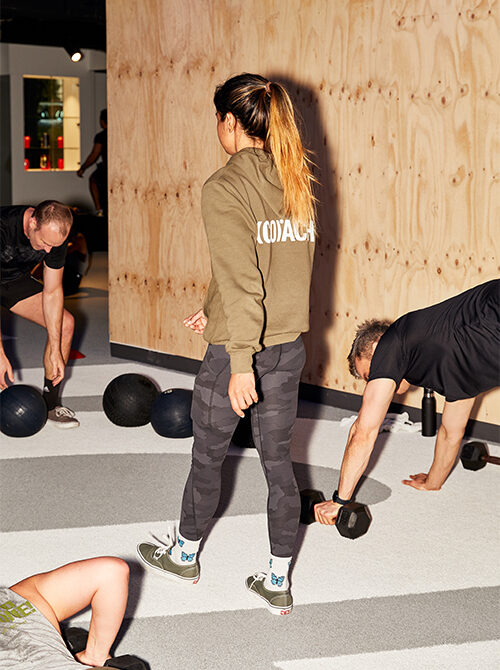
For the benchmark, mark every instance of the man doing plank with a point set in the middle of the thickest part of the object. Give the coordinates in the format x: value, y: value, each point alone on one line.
x: 453, y: 348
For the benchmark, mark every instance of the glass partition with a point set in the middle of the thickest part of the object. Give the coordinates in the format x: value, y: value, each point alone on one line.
x: 51, y: 123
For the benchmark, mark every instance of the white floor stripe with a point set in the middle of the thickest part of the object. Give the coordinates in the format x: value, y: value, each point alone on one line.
x: 470, y: 656
x: 96, y: 435
x: 92, y: 379
x: 316, y: 442
x: 410, y: 555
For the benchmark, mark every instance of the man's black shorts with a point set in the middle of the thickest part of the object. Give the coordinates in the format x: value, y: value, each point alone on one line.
x: 100, y: 175
x: 12, y: 292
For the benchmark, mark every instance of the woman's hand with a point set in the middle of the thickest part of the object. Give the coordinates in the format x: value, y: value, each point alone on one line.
x: 242, y: 392
x: 196, y: 322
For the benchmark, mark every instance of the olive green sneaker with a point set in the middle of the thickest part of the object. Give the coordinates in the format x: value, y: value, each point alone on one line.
x: 277, y: 602
x: 159, y: 559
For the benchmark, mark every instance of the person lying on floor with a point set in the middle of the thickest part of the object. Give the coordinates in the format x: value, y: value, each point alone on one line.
x: 31, y: 610
x: 453, y: 348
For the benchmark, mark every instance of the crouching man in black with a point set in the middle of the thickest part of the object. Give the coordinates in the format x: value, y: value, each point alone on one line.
x: 28, y: 236
x: 453, y: 348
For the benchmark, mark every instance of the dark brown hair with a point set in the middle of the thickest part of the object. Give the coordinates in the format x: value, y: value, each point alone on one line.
x: 367, y: 333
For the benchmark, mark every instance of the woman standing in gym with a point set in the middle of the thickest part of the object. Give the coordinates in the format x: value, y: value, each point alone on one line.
x: 258, y: 212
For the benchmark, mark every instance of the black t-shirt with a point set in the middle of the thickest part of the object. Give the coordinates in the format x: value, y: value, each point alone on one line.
x: 17, y: 256
x: 452, y: 347
x: 102, y: 139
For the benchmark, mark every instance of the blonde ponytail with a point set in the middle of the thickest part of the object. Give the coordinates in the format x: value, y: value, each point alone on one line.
x: 284, y: 143
x: 265, y: 111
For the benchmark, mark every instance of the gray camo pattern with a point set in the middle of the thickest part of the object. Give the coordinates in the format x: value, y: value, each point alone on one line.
x: 277, y: 372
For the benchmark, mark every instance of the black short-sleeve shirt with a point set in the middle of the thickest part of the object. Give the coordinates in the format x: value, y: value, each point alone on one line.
x: 452, y: 347
x: 17, y: 256
x: 102, y: 139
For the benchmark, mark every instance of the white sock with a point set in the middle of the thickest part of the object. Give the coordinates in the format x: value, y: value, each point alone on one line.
x: 277, y: 575
x: 184, y: 551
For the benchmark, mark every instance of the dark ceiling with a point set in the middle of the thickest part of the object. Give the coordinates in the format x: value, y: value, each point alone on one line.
x: 59, y: 23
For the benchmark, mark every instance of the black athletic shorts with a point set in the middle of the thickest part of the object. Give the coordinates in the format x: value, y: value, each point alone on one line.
x: 11, y: 292
x: 100, y: 175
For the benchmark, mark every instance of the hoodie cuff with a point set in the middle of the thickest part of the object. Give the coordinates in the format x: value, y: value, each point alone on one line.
x: 241, y: 362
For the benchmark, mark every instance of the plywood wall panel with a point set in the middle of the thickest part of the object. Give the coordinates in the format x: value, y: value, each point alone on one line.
x: 401, y: 106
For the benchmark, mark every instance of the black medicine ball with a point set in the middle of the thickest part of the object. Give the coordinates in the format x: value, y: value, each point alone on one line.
x: 128, y: 399
x: 23, y: 411
x: 171, y: 413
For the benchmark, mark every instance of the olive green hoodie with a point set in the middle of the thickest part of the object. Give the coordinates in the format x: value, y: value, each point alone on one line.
x: 261, y: 264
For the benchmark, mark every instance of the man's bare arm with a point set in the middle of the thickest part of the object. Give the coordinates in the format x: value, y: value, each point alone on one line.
x: 5, y: 367
x: 91, y: 158
x: 376, y: 400
x: 448, y: 440
x: 53, y: 306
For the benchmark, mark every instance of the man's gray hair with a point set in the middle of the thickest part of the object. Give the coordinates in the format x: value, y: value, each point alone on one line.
x: 367, y: 333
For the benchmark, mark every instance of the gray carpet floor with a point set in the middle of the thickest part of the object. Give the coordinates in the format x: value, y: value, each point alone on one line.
x: 420, y: 590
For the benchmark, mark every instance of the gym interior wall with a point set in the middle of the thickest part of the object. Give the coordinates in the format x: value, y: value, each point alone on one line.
x: 401, y: 109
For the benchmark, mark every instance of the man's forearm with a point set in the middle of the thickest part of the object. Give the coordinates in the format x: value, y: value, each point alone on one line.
x: 445, y: 455
x: 91, y: 158
x: 53, y: 306
x: 448, y: 440
x: 356, y: 456
x: 376, y: 398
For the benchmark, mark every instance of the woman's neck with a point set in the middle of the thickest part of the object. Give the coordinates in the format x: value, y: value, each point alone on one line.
x: 243, y: 141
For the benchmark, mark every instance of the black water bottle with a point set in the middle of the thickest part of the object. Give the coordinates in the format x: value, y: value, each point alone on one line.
x: 428, y: 413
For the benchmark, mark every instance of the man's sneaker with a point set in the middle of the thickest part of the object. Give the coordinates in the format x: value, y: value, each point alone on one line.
x: 277, y: 602
x: 159, y: 559
x: 63, y: 417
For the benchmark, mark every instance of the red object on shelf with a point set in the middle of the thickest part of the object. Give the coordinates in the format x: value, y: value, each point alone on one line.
x: 60, y: 163
x: 60, y: 143
x: 27, y: 141
x: 26, y: 164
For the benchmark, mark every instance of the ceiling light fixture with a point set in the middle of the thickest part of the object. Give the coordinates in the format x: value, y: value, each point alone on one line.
x: 76, y: 55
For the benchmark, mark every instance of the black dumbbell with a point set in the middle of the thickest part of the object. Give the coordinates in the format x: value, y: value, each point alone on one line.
x: 475, y: 456
x: 75, y: 638
x: 353, y: 519
x: 126, y: 662
x: 76, y: 641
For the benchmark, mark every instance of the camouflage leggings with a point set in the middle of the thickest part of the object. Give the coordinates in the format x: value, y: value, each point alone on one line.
x: 277, y: 371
